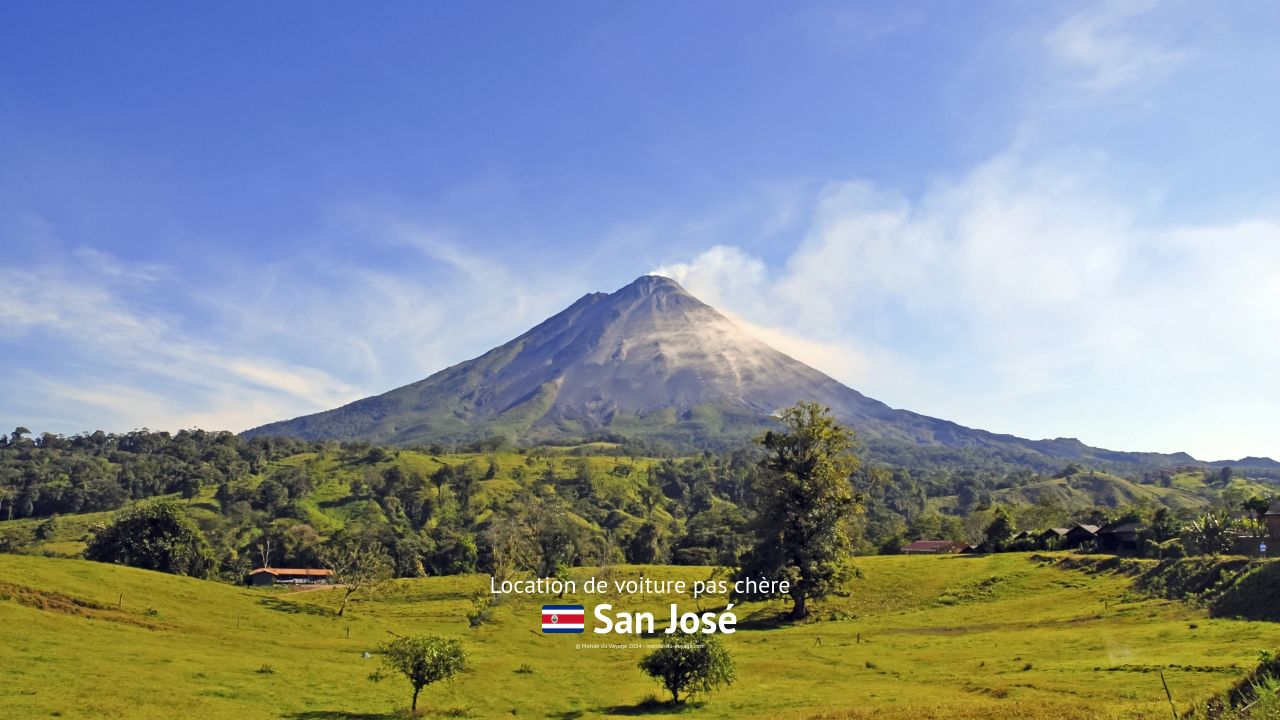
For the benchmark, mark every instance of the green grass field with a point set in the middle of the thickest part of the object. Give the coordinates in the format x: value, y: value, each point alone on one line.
x: 941, y: 637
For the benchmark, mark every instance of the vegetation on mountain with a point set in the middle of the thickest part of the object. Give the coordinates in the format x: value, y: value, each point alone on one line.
x: 439, y: 510
x: 153, y: 536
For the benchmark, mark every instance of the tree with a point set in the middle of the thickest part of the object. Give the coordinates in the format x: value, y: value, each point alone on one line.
x: 688, y: 665
x: 7, y: 495
x: 1225, y: 475
x: 154, y: 536
x: 424, y: 659
x: 805, y: 504
x: 360, y: 566
x: 1211, y: 533
x: 1164, y: 526
x: 512, y: 547
x: 998, y: 534
x: 1257, y: 506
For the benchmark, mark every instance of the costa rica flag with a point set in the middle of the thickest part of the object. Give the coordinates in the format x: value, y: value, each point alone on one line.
x: 563, y: 618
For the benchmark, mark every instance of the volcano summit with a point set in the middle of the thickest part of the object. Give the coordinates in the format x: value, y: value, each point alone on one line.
x: 649, y: 361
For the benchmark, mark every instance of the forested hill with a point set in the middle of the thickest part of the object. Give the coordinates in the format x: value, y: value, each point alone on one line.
x: 439, y: 512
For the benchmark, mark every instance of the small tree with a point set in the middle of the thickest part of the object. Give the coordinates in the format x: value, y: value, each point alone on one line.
x: 687, y: 664
x: 360, y: 567
x: 424, y: 659
x: 999, y: 533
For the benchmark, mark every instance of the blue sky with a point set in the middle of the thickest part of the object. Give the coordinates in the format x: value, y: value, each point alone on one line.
x: 1051, y: 220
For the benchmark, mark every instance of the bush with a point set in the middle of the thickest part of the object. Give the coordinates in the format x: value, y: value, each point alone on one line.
x: 1174, y: 548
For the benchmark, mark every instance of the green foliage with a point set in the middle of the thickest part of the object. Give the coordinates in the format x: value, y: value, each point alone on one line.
x: 424, y: 659
x: 688, y: 664
x: 1252, y: 594
x: 1211, y: 533
x: 154, y: 536
x: 360, y: 565
x: 998, y: 534
x: 805, y: 504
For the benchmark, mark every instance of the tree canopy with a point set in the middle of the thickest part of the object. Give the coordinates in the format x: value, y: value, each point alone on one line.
x: 687, y: 664
x: 154, y: 536
x: 806, y: 503
x: 424, y: 659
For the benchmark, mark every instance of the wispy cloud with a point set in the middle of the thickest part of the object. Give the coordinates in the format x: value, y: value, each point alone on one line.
x: 119, y: 345
x: 1114, y: 45
x: 1020, y: 286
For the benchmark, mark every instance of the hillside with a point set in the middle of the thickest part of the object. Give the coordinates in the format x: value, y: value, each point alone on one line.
x: 434, y: 512
x: 652, y: 362
x: 335, y: 501
x: 1004, y: 636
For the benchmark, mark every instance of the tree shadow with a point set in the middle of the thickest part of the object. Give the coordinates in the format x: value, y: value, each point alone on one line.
x: 339, y: 715
x: 650, y: 706
x: 295, y: 608
x: 767, y: 622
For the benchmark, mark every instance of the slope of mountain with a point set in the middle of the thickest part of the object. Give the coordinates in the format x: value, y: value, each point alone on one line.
x: 651, y: 361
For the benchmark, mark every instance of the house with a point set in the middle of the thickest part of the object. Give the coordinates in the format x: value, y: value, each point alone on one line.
x: 1123, y: 536
x: 1079, y: 535
x: 1273, y: 520
x: 1051, y: 538
x: 934, y: 547
x: 290, y: 576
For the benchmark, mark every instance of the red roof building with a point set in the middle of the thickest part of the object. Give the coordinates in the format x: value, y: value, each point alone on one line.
x: 291, y: 576
x: 934, y: 547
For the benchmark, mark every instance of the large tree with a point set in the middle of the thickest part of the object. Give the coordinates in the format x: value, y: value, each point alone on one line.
x: 154, y: 536
x: 806, y: 501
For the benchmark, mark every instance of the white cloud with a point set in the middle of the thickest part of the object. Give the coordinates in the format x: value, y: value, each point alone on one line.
x: 1023, y: 287
x: 87, y: 316
x: 1110, y: 46
x: 132, y: 345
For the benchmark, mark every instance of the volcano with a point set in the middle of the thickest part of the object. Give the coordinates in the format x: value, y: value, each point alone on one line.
x: 651, y: 362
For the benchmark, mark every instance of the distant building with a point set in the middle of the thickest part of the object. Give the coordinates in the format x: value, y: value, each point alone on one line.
x: 1124, y: 536
x: 1273, y: 520
x: 1079, y: 535
x: 290, y: 576
x: 934, y: 547
x: 1052, y: 538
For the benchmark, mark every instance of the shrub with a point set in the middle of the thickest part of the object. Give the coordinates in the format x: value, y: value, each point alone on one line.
x: 689, y: 665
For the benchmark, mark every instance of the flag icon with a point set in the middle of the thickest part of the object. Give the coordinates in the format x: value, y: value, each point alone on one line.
x: 563, y: 618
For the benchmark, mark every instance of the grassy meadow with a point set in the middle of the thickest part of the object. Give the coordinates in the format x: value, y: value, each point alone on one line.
x: 1000, y: 636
